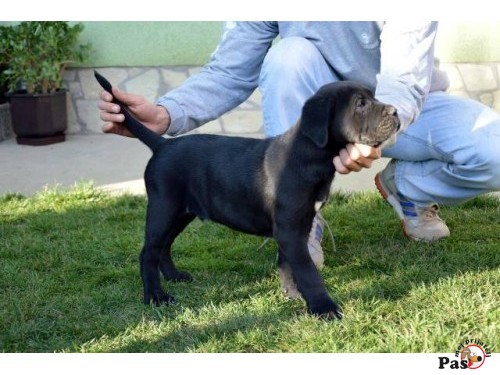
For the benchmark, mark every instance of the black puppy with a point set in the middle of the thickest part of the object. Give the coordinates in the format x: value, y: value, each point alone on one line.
x: 270, y: 187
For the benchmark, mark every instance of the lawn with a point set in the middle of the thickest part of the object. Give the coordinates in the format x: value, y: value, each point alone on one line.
x: 69, y: 281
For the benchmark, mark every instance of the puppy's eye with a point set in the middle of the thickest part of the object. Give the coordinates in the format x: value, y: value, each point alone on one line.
x: 361, y: 103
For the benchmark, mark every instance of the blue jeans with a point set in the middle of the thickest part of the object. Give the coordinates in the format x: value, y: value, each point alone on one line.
x: 449, y: 155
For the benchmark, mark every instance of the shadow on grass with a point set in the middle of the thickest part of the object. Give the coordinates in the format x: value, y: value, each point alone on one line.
x: 69, y: 272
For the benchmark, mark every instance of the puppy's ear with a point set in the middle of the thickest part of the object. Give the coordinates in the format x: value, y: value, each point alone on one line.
x: 314, y: 120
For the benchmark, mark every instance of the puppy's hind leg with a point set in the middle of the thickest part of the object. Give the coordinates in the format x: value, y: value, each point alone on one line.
x: 161, y: 220
x: 167, y: 266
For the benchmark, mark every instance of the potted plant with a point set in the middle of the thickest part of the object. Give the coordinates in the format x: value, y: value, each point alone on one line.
x: 36, y: 55
x: 5, y: 119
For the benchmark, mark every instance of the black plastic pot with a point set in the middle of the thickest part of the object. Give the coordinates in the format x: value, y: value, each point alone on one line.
x: 39, y: 119
x: 3, y: 87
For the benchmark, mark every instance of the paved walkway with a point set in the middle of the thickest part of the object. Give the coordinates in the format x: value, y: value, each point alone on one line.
x: 113, y: 162
x: 105, y: 160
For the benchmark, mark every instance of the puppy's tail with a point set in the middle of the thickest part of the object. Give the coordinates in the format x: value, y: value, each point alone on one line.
x: 148, y: 137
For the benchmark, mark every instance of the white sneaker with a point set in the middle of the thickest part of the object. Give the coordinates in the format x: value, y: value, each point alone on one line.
x: 419, y: 223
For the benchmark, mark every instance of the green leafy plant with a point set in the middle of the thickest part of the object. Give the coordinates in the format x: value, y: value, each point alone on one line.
x: 36, y: 54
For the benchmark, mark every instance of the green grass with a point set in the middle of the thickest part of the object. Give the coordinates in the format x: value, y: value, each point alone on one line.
x: 69, y: 282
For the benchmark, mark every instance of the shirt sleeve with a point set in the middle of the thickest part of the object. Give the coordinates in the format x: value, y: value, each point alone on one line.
x: 406, y: 67
x: 229, y: 78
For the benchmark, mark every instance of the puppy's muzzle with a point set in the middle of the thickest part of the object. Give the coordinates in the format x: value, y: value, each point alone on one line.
x: 391, y: 112
x: 389, y: 123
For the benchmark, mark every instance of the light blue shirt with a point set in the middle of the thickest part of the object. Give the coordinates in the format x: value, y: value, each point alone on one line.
x: 396, y: 60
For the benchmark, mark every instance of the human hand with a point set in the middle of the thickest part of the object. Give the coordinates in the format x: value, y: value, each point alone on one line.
x: 152, y: 116
x: 356, y: 156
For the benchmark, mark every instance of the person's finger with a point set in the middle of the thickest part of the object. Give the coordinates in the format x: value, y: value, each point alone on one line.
x: 339, y: 167
x: 112, y: 117
x: 363, y: 157
x: 108, y: 107
x: 348, y: 161
x: 369, y: 151
x: 114, y: 128
x: 127, y: 98
x: 106, y: 96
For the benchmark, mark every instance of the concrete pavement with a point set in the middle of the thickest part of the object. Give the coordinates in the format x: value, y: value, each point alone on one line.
x: 109, y: 161
x: 105, y: 160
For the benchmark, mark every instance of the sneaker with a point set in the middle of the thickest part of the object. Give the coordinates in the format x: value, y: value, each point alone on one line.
x: 419, y: 223
x: 314, y: 242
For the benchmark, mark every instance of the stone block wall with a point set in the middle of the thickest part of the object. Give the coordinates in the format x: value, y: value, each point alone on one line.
x: 477, y: 81
x: 151, y: 82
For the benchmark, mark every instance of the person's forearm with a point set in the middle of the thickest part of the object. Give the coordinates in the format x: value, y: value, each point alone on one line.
x: 225, y: 82
x: 162, y: 119
x: 407, y: 57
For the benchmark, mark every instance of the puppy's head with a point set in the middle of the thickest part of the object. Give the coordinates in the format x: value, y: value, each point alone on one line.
x: 346, y: 112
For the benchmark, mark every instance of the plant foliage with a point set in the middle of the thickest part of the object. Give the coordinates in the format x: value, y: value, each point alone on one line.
x: 36, y: 54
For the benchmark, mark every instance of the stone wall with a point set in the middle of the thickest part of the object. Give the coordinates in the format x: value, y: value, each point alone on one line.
x: 150, y: 82
x: 477, y: 81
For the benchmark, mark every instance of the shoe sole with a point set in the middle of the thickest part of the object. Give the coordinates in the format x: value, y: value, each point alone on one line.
x: 389, y: 198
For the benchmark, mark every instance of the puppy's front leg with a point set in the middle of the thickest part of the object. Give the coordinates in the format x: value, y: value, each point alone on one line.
x: 309, y: 283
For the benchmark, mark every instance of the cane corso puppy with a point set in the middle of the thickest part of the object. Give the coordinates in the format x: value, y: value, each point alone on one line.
x: 271, y: 187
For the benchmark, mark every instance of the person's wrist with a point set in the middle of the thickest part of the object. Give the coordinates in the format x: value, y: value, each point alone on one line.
x: 162, y: 119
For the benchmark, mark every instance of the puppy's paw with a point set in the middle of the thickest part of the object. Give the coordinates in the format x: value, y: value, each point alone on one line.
x: 179, y: 276
x: 160, y: 299
x: 327, y: 309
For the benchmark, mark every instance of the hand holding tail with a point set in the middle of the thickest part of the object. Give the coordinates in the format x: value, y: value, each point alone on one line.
x: 131, y: 116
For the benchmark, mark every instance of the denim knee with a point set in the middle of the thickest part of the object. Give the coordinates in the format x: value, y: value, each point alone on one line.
x: 481, y: 158
x: 292, y: 72
x: 491, y: 163
x: 290, y: 60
